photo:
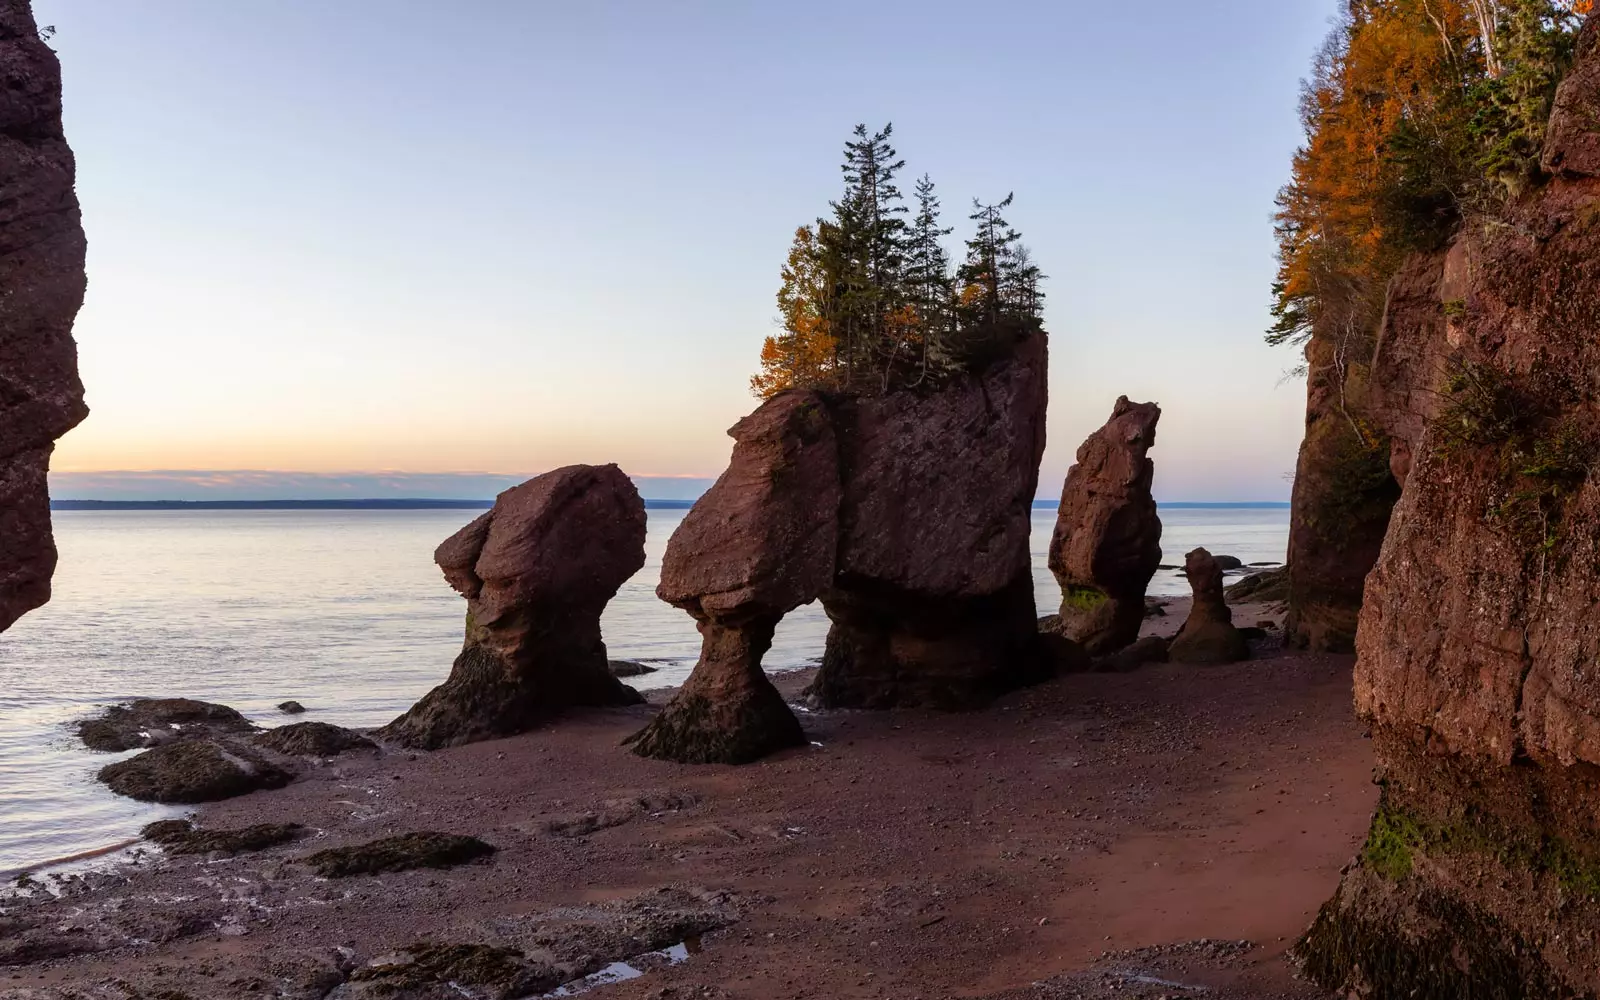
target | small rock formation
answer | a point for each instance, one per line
(41, 288)
(1478, 640)
(629, 668)
(149, 722)
(1267, 586)
(180, 836)
(399, 853)
(932, 598)
(757, 545)
(1150, 649)
(313, 739)
(291, 708)
(537, 571)
(1107, 540)
(193, 771)
(1208, 635)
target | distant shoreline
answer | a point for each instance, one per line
(423, 503)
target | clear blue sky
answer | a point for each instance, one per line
(504, 236)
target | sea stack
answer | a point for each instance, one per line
(1481, 625)
(537, 571)
(1208, 635)
(760, 543)
(1107, 540)
(932, 601)
(41, 288)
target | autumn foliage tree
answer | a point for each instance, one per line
(867, 300)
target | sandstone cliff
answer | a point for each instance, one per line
(41, 289)
(1480, 630)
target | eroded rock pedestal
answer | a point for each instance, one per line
(537, 571)
(906, 513)
(1208, 635)
(759, 544)
(41, 289)
(932, 602)
(1107, 540)
(1481, 628)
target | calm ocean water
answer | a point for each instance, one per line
(343, 611)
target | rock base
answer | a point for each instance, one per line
(1475, 881)
(728, 712)
(887, 651)
(487, 697)
(1100, 622)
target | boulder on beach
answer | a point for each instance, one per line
(537, 571)
(313, 739)
(932, 601)
(758, 544)
(181, 836)
(1107, 540)
(193, 771)
(41, 288)
(1267, 586)
(149, 722)
(629, 668)
(1208, 634)
(291, 707)
(403, 852)
(1150, 649)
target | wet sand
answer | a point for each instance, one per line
(1078, 839)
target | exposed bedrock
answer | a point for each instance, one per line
(1481, 627)
(41, 288)
(1208, 634)
(932, 602)
(537, 571)
(760, 543)
(1107, 540)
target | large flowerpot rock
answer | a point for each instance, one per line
(537, 571)
(932, 598)
(41, 288)
(758, 544)
(1107, 540)
(1208, 634)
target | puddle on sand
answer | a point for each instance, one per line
(618, 972)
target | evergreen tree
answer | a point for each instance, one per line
(990, 255)
(868, 250)
(927, 281)
(1019, 281)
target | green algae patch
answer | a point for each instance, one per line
(1083, 599)
(1391, 843)
(397, 854)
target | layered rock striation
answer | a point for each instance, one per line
(41, 288)
(537, 571)
(1107, 540)
(1480, 630)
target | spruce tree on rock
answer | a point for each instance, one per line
(990, 255)
(927, 282)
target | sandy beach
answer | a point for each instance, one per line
(1139, 834)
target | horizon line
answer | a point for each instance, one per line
(449, 503)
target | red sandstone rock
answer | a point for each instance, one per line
(1208, 635)
(760, 543)
(1107, 539)
(932, 603)
(537, 572)
(41, 288)
(1572, 143)
(1480, 631)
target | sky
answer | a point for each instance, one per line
(394, 245)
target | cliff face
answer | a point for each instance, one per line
(1342, 497)
(1480, 631)
(41, 289)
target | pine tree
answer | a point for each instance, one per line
(990, 255)
(1019, 281)
(927, 281)
(868, 251)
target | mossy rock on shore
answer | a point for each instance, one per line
(149, 722)
(428, 970)
(313, 739)
(398, 854)
(193, 771)
(180, 836)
